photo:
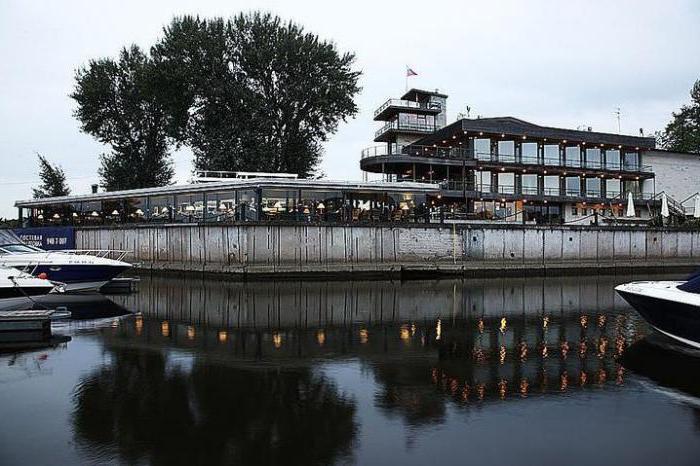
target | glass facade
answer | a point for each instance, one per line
(594, 158)
(506, 151)
(552, 154)
(529, 153)
(572, 156)
(529, 184)
(482, 148)
(573, 186)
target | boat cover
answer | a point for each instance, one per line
(692, 285)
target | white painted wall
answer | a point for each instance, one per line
(676, 173)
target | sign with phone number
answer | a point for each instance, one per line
(49, 238)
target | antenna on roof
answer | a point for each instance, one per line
(618, 113)
(641, 132)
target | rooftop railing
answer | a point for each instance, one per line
(408, 104)
(405, 126)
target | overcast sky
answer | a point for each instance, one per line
(557, 63)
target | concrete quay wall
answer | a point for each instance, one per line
(338, 249)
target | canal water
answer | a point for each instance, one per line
(494, 371)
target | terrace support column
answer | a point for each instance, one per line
(414, 172)
(383, 173)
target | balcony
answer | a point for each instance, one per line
(398, 150)
(412, 128)
(394, 106)
(557, 163)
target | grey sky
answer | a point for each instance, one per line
(558, 63)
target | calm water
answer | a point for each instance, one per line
(516, 371)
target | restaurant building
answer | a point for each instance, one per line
(510, 169)
(238, 197)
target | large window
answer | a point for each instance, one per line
(594, 158)
(551, 185)
(551, 154)
(482, 149)
(573, 156)
(573, 186)
(612, 188)
(631, 161)
(280, 204)
(482, 181)
(529, 184)
(593, 187)
(528, 151)
(189, 207)
(612, 159)
(506, 151)
(506, 183)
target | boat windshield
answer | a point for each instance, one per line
(18, 249)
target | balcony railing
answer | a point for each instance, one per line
(405, 126)
(415, 150)
(551, 162)
(408, 104)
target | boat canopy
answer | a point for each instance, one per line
(692, 285)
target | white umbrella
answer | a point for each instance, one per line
(696, 210)
(664, 206)
(630, 205)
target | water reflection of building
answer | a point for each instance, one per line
(428, 344)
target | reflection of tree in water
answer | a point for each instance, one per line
(141, 410)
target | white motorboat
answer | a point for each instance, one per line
(671, 307)
(20, 290)
(79, 270)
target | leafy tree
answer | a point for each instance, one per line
(118, 104)
(682, 134)
(253, 93)
(53, 180)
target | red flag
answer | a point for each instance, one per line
(410, 72)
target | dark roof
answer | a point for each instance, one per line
(514, 126)
(410, 95)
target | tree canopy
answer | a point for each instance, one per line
(53, 180)
(118, 104)
(682, 134)
(253, 93)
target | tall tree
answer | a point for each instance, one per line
(53, 180)
(682, 134)
(253, 92)
(118, 104)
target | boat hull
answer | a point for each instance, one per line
(678, 320)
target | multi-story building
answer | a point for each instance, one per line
(515, 170)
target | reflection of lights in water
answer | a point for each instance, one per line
(434, 375)
(276, 340)
(523, 351)
(454, 385)
(479, 354)
(413, 329)
(223, 336)
(465, 392)
(564, 381)
(404, 333)
(620, 376)
(502, 354)
(582, 348)
(583, 320)
(190, 332)
(602, 347)
(583, 378)
(619, 346)
(364, 335)
(165, 328)
(481, 391)
(601, 376)
(480, 326)
(601, 320)
(564, 349)
(115, 323)
(138, 324)
(438, 329)
(321, 337)
(524, 385)
(502, 389)
(504, 325)
(545, 350)
(545, 322)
